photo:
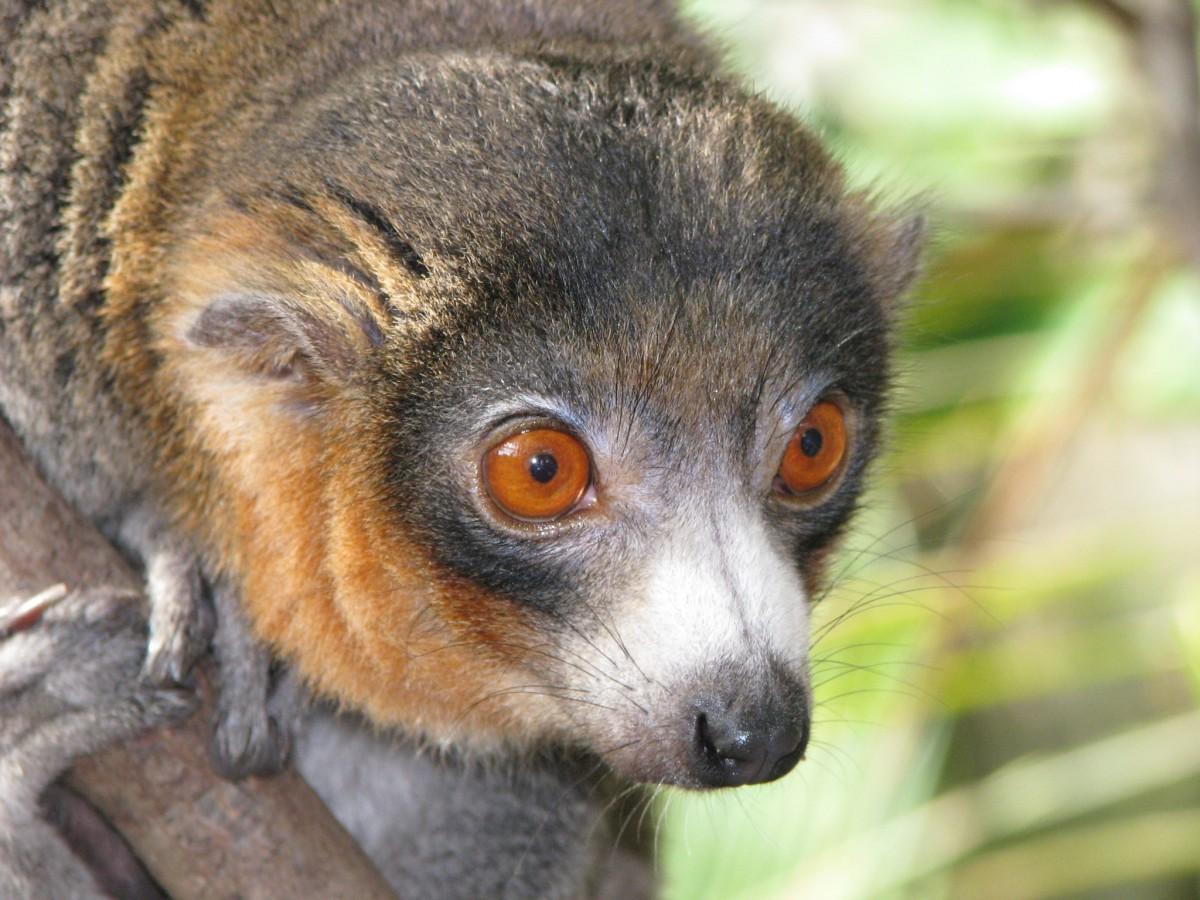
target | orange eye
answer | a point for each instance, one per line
(815, 450)
(537, 475)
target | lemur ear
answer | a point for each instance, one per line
(894, 241)
(318, 338)
(899, 253)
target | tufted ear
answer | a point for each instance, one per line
(313, 338)
(897, 254)
(893, 241)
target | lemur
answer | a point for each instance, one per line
(500, 370)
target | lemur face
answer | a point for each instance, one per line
(649, 476)
(606, 372)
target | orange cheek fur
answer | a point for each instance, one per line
(354, 606)
(329, 582)
(326, 577)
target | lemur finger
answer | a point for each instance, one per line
(249, 736)
(289, 701)
(254, 744)
(181, 621)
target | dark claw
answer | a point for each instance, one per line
(29, 613)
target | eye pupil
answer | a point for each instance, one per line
(811, 442)
(543, 468)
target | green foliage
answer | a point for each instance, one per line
(1007, 666)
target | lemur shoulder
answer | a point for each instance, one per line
(499, 368)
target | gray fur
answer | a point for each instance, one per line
(53, 391)
(180, 621)
(70, 684)
(538, 827)
(247, 735)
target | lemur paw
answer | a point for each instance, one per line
(252, 731)
(70, 684)
(181, 619)
(71, 675)
(248, 740)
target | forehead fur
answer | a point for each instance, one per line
(605, 206)
(563, 177)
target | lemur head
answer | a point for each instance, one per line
(531, 394)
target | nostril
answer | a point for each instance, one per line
(731, 752)
(721, 740)
(703, 741)
(705, 746)
(706, 742)
(785, 750)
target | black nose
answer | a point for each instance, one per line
(734, 747)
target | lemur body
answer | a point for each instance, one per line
(284, 285)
